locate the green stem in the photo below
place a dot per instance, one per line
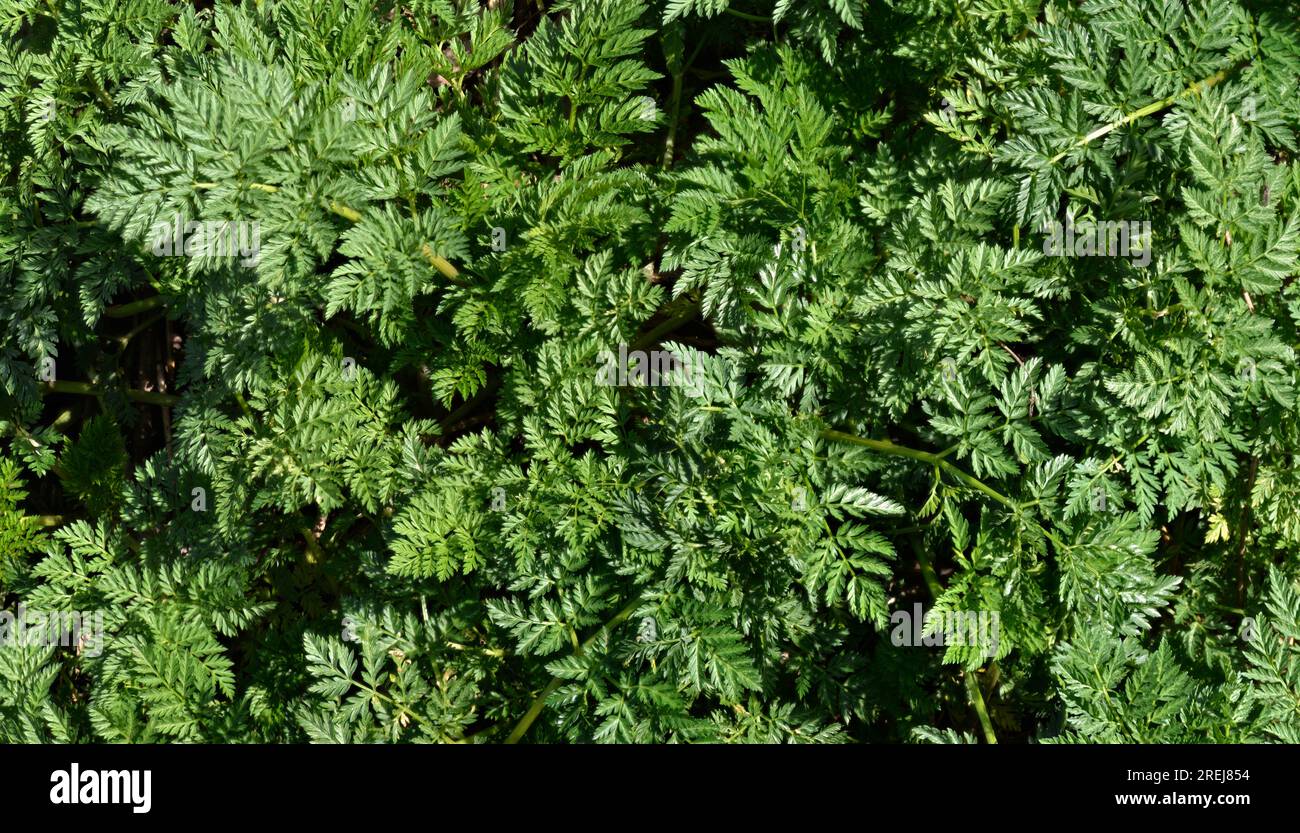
(443, 265)
(534, 710)
(491, 652)
(123, 341)
(99, 92)
(674, 113)
(314, 554)
(539, 702)
(243, 406)
(688, 311)
(753, 18)
(146, 397)
(1154, 107)
(937, 460)
(977, 700)
(135, 307)
(256, 186)
(62, 420)
(973, 692)
(345, 212)
(353, 216)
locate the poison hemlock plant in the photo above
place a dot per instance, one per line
(614, 371)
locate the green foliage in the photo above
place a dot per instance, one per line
(94, 466)
(372, 473)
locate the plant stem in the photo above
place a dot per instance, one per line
(973, 692)
(243, 406)
(123, 341)
(345, 212)
(937, 460)
(443, 265)
(1154, 107)
(135, 307)
(335, 206)
(539, 702)
(668, 325)
(977, 700)
(753, 18)
(99, 92)
(314, 554)
(491, 652)
(674, 113)
(1243, 531)
(352, 215)
(146, 397)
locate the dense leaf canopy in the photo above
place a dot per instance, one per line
(330, 352)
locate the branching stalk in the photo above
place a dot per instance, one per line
(1150, 109)
(937, 460)
(539, 702)
(135, 307)
(973, 692)
(146, 397)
